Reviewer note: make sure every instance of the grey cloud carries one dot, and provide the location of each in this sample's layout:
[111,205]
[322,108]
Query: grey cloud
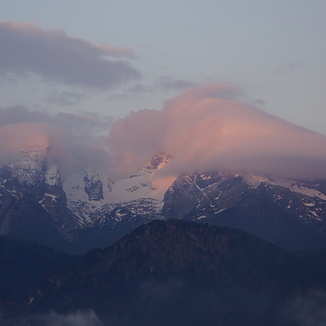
[72,122]
[170,83]
[65,98]
[128,94]
[288,68]
[137,88]
[165,83]
[18,114]
[259,102]
[52,54]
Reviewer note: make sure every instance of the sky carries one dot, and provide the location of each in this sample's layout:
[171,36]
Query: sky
[273,50]
[108,67]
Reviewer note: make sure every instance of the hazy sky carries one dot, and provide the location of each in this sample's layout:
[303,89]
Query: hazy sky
[113,57]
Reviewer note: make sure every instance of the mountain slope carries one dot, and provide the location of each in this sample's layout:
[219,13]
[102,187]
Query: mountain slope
[87,209]
[290,213]
[37,203]
[181,273]
[22,263]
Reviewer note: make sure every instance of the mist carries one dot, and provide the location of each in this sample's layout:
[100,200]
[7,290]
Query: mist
[308,309]
[79,318]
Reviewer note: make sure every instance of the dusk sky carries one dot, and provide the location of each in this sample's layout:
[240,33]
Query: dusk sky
[228,84]
[113,57]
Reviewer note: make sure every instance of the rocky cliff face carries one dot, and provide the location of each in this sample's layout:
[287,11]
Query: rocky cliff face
[93,185]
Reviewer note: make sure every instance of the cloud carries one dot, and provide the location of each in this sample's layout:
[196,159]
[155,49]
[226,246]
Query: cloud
[206,128]
[65,98]
[169,83]
[79,318]
[137,88]
[72,141]
[76,123]
[288,68]
[308,309]
[164,83]
[26,48]
[134,139]
[210,128]
[130,92]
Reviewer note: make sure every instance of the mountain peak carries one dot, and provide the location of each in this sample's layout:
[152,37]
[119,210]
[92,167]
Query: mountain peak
[158,160]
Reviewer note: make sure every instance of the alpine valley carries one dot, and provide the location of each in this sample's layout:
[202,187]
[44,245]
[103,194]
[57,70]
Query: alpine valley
[88,209]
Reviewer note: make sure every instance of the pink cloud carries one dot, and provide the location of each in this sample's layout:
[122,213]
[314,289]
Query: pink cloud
[208,128]
[134,139]
[69,152]
[18,137]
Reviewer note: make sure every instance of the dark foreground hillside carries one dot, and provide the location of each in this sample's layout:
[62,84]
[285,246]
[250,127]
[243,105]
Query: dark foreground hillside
[22,263]
[180,273]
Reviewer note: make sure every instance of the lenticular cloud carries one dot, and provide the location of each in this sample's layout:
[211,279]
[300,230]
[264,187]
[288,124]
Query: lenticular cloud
[208,128]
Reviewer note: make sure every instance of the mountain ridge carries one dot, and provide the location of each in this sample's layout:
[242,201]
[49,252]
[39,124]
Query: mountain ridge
[88,209]
[210,273]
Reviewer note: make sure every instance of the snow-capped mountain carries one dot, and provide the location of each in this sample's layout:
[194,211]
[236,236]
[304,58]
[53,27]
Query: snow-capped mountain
[92,196]
[215,193]
[289,212]
[84,197]
[32,175]
[89,208]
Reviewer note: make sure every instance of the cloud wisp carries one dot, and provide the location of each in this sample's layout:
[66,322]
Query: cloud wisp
[209,128]
[170,83]
[28,49]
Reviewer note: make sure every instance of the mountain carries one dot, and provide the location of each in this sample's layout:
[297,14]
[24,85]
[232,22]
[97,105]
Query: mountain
[85,208]
[38,203]
[182,273]
[22,263]
[32,202]
[291,213]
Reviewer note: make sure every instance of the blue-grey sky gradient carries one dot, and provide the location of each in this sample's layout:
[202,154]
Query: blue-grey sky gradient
[274,51]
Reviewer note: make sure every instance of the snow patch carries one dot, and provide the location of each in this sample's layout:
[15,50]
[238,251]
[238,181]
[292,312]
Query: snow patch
[295,186]
[309,204]
[221,210]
